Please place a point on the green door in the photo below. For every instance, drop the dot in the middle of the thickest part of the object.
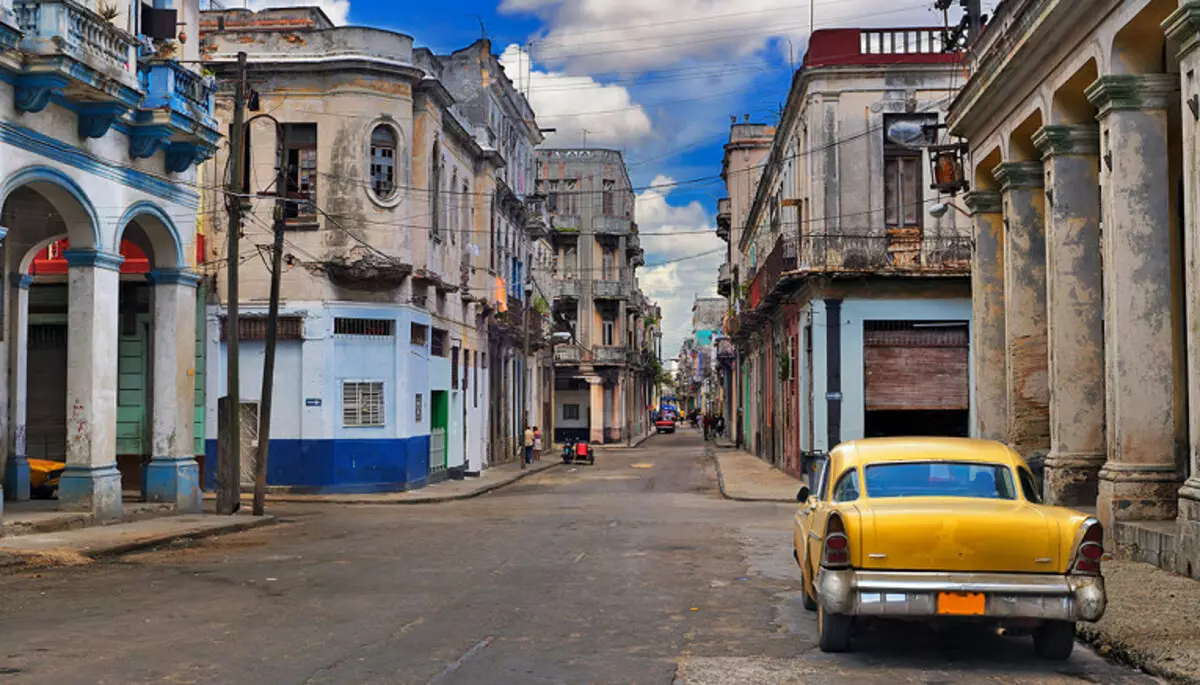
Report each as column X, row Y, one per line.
column 133, row 387
column 439, row 418
column 201, row 363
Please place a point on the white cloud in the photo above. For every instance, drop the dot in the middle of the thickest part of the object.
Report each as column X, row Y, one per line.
column 338, row 10
column 607, row 36
column 562, row 102
column 683, row 230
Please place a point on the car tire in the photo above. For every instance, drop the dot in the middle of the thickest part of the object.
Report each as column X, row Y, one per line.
column 1054, row 640
column 833, row 631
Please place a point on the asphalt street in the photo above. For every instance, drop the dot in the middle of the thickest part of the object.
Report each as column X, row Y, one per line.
column 630, row 571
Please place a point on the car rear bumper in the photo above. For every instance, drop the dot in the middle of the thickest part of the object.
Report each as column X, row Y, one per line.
column 1007, row 595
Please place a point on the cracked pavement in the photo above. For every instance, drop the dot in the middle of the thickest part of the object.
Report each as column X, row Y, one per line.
column 631, row 571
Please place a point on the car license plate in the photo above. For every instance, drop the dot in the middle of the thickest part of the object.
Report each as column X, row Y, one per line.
column 962, row 603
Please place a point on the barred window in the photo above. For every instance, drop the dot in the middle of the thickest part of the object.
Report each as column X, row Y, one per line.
column 362, row 403
column 438, row 347
column 570, row 412
column 454, row 368
column 419, row 334
column 255, row 328
column 368, row 327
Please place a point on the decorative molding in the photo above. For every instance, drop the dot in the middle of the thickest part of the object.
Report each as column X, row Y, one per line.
column 181, row 156
column 1019, row 175
column 150, row 209
column 1183, row 27
column 1126, row 92
column 45, row 174
column 20, row 281
column 1058, row 141
column 174, row 277
column 144, row 141
column 96, row 120
column 93, row 258
column 984, row 202
column 54, row 149
column 31, row 94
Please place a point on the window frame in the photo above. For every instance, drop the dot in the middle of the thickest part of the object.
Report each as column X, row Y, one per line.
column 399, row 174
column 850, row 476
column 378, row 413
column 307, row 151
column 576, row 408
column 1022, row 474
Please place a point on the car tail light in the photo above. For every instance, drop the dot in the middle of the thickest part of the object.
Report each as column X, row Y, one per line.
column 836, row 552
column 1091, row 549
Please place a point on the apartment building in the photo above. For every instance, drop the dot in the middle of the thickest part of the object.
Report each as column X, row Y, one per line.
column 605, row 378
column 849, row 303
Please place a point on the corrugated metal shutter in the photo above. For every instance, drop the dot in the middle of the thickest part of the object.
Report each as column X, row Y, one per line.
column 914, row 367
column 46, row 421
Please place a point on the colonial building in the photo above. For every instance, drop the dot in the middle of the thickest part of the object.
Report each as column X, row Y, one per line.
column 402, row 180
column 605, row 377
column 849, row 301
column 1081, row 123
column 103, row 122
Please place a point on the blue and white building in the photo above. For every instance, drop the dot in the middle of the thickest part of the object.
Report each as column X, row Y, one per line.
column 103, row 120
column 397, row 258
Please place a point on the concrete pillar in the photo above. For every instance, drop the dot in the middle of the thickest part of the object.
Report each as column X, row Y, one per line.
column 16, row 468
column 1144, row 403
column 1075, row 313
column 1183, row 27
column 1026, row 360
column 91, row 481
column 987, row 311
column 173, row 474
column 596, row 389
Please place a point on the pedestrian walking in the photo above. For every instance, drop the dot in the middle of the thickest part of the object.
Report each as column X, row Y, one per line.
column 707, row 426
column 721, row 425
column 537, row 444
column 528, row 445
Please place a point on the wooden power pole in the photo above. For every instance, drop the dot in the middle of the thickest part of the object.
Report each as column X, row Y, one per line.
column 229, row 463
column 268, row 380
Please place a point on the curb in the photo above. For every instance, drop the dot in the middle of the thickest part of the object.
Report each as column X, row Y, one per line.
column 1133, row 657
column 136, row 545
column 711, row 453
column 431, row 499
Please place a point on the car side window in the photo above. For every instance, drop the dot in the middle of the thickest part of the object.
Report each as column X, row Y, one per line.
column 1029, row 486
column 847, row 487
column 823, row 481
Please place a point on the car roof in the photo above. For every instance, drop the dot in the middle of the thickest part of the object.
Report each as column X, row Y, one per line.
column 877, row 450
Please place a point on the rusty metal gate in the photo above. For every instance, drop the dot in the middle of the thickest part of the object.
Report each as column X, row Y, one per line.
column 916, row 366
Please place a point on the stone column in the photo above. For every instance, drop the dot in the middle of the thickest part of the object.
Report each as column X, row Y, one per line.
column 173, row 474
column 16, row 471
column 1183, row 27
column 91, row 481
column 987, row 311
column 1026, row 360
column 1075, row 313
column 1140, row 479
column 596, row 389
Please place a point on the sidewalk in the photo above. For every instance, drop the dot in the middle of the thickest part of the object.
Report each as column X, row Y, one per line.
column 446, row 491
column 81, row 545
column 746, row 478
column 1150, row 622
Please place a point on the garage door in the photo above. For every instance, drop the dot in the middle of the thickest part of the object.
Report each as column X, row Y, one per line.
column 46, row 407
column 916, row 366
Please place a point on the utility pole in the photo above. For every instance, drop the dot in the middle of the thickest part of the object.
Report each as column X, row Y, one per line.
column 268, row 380
column 229, row 467
column 525, row 375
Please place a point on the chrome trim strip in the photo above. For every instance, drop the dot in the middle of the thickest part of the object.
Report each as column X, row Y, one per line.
column 1002, row 583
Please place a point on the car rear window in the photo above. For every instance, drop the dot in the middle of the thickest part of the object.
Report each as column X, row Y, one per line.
column 940, row 479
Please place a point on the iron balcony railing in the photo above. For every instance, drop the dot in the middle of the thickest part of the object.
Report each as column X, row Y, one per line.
column 781, row 260
column 883, row 254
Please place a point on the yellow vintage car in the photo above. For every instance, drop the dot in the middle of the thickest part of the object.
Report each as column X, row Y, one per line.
column 44, row 475
column 941, row 529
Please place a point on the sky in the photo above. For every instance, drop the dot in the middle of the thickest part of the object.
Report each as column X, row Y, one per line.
column 657, row 79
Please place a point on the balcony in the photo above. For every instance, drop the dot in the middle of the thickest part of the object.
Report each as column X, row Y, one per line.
column 566, row 223
column 724, row 280
column 781, row 260
column 610, row 354
column 176, row 115
column 566, row 289
column 902, row 253
column 633, row 244
column 638, row 259
column 724, row 219
column 610, row 290
column 612, row 225
column 567, row 354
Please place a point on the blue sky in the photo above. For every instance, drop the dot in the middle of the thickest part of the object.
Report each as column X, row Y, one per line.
column 658, row 79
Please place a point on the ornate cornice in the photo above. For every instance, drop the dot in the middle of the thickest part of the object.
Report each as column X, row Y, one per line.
column 984, row 202
column 1183, row 27
column 1059, row 141
column 1125, row 92
column 1012, row 175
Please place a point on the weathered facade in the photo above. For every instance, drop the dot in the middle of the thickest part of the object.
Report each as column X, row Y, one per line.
column 1081, row 122
column 848, row 308
column 385, row 370
column 103, row 123
column 606, row 376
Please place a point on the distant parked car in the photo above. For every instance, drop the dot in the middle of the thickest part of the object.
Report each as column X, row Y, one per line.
column 665, row 424
column 944, row 529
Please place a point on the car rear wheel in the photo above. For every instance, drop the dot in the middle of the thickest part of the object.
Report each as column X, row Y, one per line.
column 1054, row 640
column 833, row 631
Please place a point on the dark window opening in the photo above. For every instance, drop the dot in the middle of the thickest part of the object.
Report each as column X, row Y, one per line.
column 419, row 334
column 438, row 347
column 383, row 161
column 367, row 327
column 301, row 173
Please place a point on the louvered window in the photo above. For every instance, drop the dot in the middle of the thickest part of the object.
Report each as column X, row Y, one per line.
column 362, row 403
